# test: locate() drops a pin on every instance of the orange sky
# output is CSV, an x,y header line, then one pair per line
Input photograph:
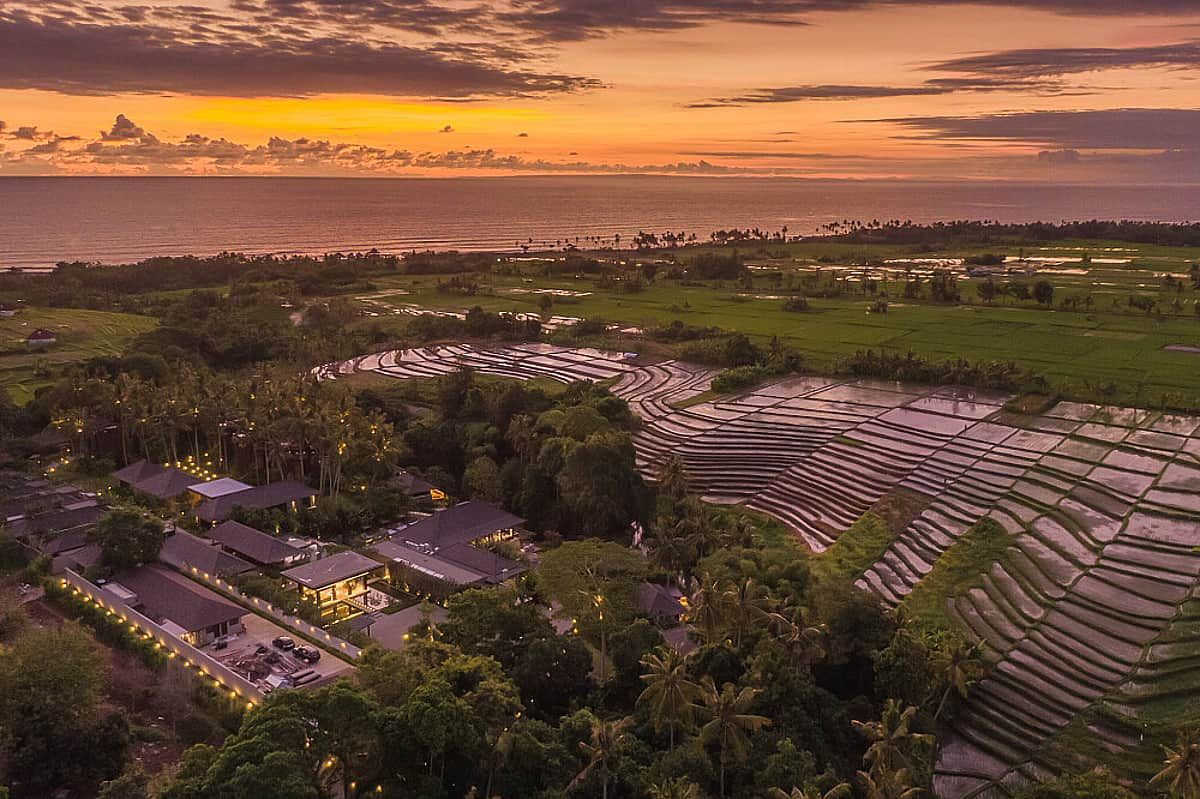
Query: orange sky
x,y
633,103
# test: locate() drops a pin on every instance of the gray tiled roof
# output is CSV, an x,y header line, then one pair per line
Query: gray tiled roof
x,y
184,550
460,524
335,568
137,472
428,564
166,484
266,496
169,596
254,544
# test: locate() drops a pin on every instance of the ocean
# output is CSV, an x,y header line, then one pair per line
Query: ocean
x,y
124,219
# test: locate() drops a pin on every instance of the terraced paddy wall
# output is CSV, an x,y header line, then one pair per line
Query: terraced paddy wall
x,y
1091,604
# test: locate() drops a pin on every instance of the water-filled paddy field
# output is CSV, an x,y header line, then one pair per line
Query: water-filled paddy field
x,y
1087,600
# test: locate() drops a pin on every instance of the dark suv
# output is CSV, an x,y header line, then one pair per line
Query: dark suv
x,y
284,643
308,654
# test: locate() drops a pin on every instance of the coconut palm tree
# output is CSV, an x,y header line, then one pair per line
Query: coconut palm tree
x,y
730,724
500,753
748,607
606,737
961,667
669,693
709,608
805,643
1180,773
892,740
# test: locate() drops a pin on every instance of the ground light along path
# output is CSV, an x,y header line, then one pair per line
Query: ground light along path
x,y
1092,598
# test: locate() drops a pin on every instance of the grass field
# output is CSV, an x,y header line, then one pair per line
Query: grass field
x,y
82,334
1110,352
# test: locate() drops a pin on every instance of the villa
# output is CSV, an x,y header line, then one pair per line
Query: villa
x,y
336,583
447,548
185,552
255,545
284,494
184,609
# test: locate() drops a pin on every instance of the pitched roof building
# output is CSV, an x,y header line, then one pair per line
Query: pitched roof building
x,y
137,472
336,568
183,608
255,544
463,523
271,495
185,551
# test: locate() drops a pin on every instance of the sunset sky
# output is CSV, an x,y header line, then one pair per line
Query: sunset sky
x,y
1064,90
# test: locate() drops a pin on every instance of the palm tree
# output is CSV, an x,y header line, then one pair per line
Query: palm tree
x,y
678,788
500,753
708,607
729,725
669,692
961,667
805,643
747,602
606,737
1181,767
892,740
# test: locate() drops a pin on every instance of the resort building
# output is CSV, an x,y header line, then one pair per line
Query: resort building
x,y
289,494
202,492
659,603
335,582
256,546
183,608
161,482
186,552
446,550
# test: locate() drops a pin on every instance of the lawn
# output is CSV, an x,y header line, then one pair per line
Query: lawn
x,y
82,334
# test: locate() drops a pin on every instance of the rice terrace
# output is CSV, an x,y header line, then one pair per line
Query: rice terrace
x,y
1062,541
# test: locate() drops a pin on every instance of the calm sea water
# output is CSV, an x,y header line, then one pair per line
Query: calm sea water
x,y
118,220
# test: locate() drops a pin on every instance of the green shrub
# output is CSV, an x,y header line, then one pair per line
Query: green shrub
x,y
740,377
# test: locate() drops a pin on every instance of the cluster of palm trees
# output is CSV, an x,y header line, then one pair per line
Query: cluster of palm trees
x,y
734,611
285,423
719,717
895,753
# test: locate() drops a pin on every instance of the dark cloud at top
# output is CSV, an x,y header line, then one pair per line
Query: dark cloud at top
x,y
460,49
1113,129
935,86
566,20
1030,64
75,53
792,94
1037,70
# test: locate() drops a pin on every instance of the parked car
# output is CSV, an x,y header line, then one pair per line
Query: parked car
x,y
284,643
261,650
308,654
